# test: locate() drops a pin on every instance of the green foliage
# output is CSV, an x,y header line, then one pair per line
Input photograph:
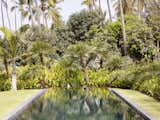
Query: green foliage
x,y
5,85
80,23
115,61
64,37
140,41
28,84
98,77
114,34
31,72
144,78
121,79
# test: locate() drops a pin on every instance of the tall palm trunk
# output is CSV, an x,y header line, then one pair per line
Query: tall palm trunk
x,y
6,66
139,9
43,18
15,18
21,20
43,12
109,10
30,10
9,22
100,7
36,3
2,14
158,49
123,28
14,79
46,22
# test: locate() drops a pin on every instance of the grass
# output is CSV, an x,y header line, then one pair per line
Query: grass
x,y
9,100
146,103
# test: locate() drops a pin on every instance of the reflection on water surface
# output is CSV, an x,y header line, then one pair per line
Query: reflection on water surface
x,y
79,104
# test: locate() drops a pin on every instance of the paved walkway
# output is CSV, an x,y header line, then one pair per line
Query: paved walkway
x,y
144,104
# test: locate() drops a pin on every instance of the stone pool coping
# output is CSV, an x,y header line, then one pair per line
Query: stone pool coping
x,y
22,107
133,105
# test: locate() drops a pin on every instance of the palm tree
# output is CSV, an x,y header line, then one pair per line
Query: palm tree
x,y
6,7
26,9
15,14
4,54
41,48
99,4
20,7
89,3
127,6
81,54
109,10
38,12
140,6
2,2
53,13
123,27
12,43
30,3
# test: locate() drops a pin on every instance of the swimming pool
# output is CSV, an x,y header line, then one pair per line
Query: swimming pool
x,y
79,104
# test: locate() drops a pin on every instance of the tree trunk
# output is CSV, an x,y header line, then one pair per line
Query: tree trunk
x,y
9,22
36,3
15,22
45,18
100,7
21,20
2,14
158,49
14,79
123,27
43,12
6,66
41,58
109,10
139,10
30,10
85,73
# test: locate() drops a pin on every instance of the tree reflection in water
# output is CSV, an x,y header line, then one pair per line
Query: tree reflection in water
x,y
79,104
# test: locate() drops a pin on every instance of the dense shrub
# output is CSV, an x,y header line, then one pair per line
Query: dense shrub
x,y
5,85
116,61
144,78
121,79
98,77
140,41
80,23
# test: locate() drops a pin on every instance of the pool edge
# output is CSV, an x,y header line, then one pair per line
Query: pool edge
x,y
133,105
22,107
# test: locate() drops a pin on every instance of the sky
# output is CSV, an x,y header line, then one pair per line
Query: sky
x,y
68,7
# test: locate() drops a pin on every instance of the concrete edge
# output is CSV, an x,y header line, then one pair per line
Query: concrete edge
x,y
22,107
133,105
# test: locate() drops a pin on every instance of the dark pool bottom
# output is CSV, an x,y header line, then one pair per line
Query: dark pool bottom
x,y
79,104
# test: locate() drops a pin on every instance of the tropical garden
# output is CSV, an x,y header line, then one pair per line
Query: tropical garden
x,y
121,51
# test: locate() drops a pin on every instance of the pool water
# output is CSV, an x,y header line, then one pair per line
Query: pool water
x,y
79,104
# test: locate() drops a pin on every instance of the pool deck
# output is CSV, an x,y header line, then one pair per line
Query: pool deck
x,y
17,102
148,107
